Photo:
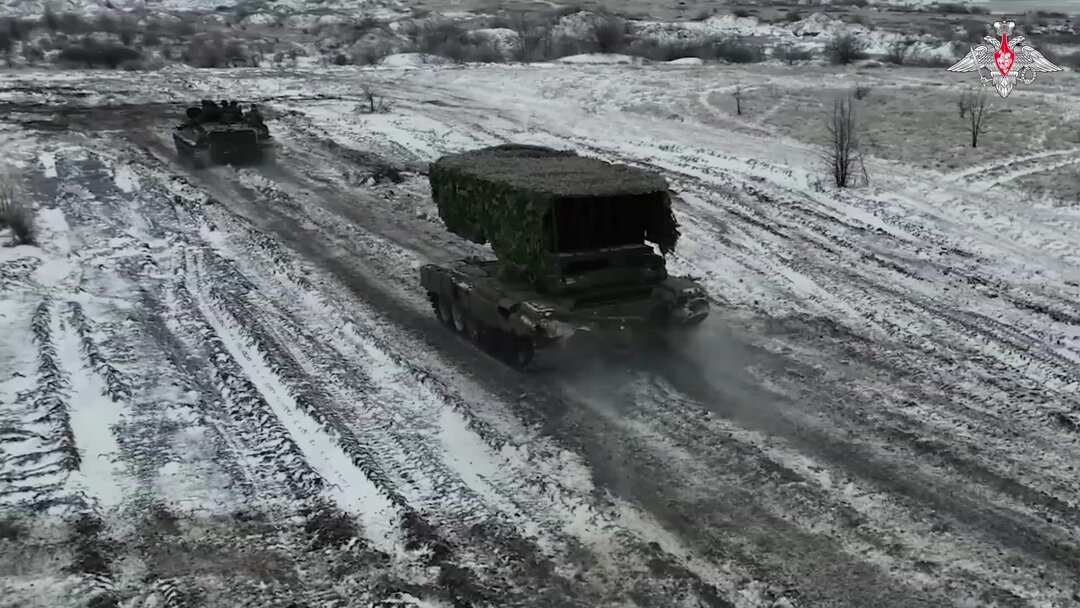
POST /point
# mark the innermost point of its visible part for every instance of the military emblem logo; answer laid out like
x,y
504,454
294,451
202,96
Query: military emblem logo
x,y
1003,65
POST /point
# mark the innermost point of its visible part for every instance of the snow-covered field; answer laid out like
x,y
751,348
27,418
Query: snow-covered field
x,y
225,388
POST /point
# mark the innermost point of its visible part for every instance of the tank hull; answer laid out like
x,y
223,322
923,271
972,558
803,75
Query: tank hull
x,y
475,298
223,147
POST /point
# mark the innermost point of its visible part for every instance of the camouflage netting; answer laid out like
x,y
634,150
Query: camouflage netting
x,y
502,194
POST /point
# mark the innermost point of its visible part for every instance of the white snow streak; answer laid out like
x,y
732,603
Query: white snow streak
x,y
346,484
93,417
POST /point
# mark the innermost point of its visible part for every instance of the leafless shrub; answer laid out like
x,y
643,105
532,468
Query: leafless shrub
x,y
533,38
738,51
484,51
701,15
741,12
151,38
737,94
842,154
974,31
793,15
32,53
439,37
16,214
845,48
898,51
107,23
73,23
607,33
217,52
7,46
92,54
790,54
976,115
373,102
565,46
180,29
921,60
126,31
50,19
370,54
16,29
669,50
861,90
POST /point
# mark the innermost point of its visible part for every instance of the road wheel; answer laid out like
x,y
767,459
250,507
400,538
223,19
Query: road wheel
x,y
459,316
518,351
475,330
442,309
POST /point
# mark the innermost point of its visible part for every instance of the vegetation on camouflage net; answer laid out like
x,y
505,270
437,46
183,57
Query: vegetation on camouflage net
x,y
500,195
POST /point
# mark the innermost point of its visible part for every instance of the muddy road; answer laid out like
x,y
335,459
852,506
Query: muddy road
x,y
288,422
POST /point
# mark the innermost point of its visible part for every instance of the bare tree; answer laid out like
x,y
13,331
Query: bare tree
x,y
7,46
607,33
963,103
376,104
50,19
738,100
535,39
898,51
843,152
977,112
845,49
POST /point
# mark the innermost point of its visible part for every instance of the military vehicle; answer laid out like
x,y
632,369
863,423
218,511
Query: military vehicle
x,y
222,134
570,236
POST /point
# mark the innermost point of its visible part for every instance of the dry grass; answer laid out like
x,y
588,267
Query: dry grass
x,y
14,213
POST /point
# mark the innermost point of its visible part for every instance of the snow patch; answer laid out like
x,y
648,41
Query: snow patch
x,y
346,484
93,417
48,164
126,179
602,58
412,60
687,61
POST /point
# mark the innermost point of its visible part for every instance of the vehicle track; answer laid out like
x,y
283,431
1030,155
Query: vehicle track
x,y
842,487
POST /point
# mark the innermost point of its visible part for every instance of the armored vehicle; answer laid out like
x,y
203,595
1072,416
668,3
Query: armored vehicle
x,y
570,236
222,134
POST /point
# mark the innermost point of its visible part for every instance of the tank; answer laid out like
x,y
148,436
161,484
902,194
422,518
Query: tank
x,y
223,134
575,244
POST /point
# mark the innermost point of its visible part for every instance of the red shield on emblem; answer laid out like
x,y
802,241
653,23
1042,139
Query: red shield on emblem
x,y
1004,57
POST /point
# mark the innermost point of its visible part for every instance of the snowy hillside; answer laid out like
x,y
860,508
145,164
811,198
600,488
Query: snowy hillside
x,y
225,387
37,7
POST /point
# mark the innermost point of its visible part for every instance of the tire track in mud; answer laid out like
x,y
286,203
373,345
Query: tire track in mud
x,y
848,244
314,348
1055,543
367,294
315,530
1031,496
794,492
1031,163
459,570
210,301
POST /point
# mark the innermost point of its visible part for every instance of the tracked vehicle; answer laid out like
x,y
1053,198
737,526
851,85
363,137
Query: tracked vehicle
x,y
222,134
570,236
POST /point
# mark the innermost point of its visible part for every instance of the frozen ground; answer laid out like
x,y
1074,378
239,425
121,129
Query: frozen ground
x,y
224,388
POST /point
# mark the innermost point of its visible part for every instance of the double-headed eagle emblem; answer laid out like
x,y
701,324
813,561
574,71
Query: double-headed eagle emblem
x,y
1002,65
